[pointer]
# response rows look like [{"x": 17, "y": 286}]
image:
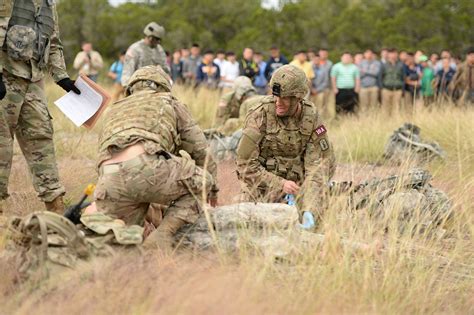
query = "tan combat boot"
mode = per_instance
[{"x": 56, "y": 206}]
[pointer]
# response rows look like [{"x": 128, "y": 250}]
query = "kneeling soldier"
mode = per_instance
[
  {"x": 137, "y": 166},
  {"x": 284, "y": 148}
]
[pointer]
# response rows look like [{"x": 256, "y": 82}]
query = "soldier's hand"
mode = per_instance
[
  {"x": 290, "y": 187},
  {"x": 68, "y": 85},
  {"x": 3, "y": 89}
]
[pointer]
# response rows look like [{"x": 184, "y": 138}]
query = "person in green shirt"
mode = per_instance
[
  {"x": 345, "y": 79},
  {"x": 427, "y": 81}
]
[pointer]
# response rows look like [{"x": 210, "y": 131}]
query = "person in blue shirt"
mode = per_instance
[
  {"x": 444, "y": 76},
  {"x": 276, "y": 61},
  {"x": 413, "y": 74},
  {"x": 208, "y": 73},
  {"x": 115, "y": 73},
  {"x": 260, "y": 82}
]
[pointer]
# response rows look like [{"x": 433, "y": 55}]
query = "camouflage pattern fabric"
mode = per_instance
[
  {"x": 273, "y": 149},
  {"x": 406, "y": 144},
  {"x": 34, "y": 69},
  {"x": 24, "y": 114},
  {"x": 45, "y": 243},
  {"x": 290, "y": 82},
  {"x": 158, "y": 121},
  {"x": 408, "y": 196},
  {"x": 126, "y": 124},
  {"x": 124, "y": 191},
  {"x": 461, "y": 86},
  {"x": 228, "y": 114},
  {"x": 222, "y": 147},
  {"x": 140, "y": 55}
]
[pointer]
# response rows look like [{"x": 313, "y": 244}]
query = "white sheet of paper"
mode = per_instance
[{"x": 79, "y": 108}]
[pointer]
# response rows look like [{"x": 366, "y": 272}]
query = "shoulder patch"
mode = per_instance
[
  {"x": 323, "y": 144},
  {"x": 321, "y": 130}
]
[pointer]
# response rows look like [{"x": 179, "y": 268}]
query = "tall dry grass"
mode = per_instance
[{"x": 399, "y": 272}]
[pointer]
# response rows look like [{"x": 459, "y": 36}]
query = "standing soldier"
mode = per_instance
[
  {"x": 30, "y": 42},
  {"x": 462, "y": 84},
  {"x": 137, "y": 164},
  {"x": 284, "y": 148},
  {"x": 228, "y": 111},
  {"x": 145, "y": 52}
]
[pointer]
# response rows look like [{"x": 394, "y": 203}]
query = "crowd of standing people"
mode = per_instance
[
  {"x": 358, "y": 82},
  {"x": 396, "y": 79}
]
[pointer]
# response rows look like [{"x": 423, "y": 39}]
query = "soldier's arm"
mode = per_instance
[
  {"x": 57, "y": 66},
  {"x": 4, "y": 18},
  {"x": 163, "y": 63},
  {"x": 249, "y": 169},
  {"x": 223, "y": 111},
  {"x": 129, "y": 65},
  {"x": 193, "y": 140},
  {"x": 319, "y": 165}
]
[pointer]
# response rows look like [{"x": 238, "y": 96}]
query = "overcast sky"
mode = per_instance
[{"x": 266, "y": 3}]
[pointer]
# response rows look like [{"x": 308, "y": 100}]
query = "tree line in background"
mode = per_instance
[{"x": 339, "y": 25}]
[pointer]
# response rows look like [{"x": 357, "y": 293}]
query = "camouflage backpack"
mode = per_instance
[
  {"x": 44, "y": 243},
  {"x": 408, "y": 196},
  {"x": 406, "y": 143}
]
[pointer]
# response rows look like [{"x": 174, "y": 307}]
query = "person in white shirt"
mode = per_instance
[
  {"x": 220, "y": 59},
  {"x": 230, "y": 71}
]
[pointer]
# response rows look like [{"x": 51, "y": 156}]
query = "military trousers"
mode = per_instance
[
  {"x": 126, "y": 189},
  {"x": 24, "y": 114}
]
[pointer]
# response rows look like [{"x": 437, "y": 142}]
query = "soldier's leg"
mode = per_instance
[
  {"x": 115, "y": 195},
  {"x": 35, "y": 136},
  {"x": 186, "y": 185},
  {"x": 10, "y": 107}
]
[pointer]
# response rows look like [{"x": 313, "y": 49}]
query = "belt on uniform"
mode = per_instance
[{"x": 139, "y": 159}]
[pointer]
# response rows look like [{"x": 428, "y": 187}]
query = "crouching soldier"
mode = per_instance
[
  {"x": 284, "y": 149},
  {"x": 229, "y": 109},
  {"x": 137, "y": 161}
]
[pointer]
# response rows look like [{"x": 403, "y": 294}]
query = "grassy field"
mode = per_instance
[{"x": 411, "y": 274}]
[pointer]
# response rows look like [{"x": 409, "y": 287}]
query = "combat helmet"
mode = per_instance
[
  {"x": 151, "y": 76},
  {"x": 288, "y": 81},
  {"x": 242, "y": 86},
  {"x": 155, "y": 30}
]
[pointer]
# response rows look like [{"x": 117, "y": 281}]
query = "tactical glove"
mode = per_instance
[
  {"x": 3, "y": 88},
  {"x": 68, "y": 85},
  {"x": 308, "y": 221}
]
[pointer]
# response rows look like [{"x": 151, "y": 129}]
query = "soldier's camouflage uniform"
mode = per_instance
[
  {"x": 140, "y": 55},
  {"x": 274, "y": 149},
  {"x": 153, "y": 117},
  {"x": 229, "y": 116},
  {"x": 24, "y": 111},
  {"x": 293, "y": 147}
]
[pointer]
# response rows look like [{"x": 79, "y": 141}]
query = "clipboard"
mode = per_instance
[{"x": 90, "y": 123}]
